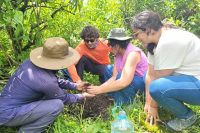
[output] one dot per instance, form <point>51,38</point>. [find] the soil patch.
<point>97,106</point>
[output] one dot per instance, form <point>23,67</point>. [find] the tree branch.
<point>61,8</point>
<point>32,41</point>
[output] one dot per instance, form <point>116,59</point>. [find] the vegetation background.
<point>25,24</point>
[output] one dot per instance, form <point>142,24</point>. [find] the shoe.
<point>178,124</point>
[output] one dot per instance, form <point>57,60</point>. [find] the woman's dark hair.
<point>147,20</point>
<point>151,46</point>
<point>89,32</point>
<point>122,43</point>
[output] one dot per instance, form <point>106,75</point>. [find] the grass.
<point>71,121</point>
<point>75,124</point>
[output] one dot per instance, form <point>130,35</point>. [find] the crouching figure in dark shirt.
<point>34,96</point>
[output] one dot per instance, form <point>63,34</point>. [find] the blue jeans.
<point>172,92</point>
<point>125,95</point>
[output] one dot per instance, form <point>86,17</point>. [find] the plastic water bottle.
<point>121,124</point>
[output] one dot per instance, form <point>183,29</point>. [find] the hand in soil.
<point>94,89</point>
<point>87,95</point>
<point>81,86</point>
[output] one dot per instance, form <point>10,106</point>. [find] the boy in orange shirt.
<point>94,56</point>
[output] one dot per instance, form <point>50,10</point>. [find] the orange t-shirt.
<point>100,55</point>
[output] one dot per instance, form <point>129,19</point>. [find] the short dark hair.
<point>122,43</point>
<point>89,32</point>
<point>147,20</point>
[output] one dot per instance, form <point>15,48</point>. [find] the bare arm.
<point>126,77</point>
<point>150,76</point>
<point>73,73</point>
<point>151,105</point>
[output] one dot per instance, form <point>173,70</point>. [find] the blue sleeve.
<point>72,98</point>
<point>66,84</point>
<point>53,91</point>
<point>49,86</point>
<point>43,83</point>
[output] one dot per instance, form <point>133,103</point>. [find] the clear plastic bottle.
<point>121,124</point>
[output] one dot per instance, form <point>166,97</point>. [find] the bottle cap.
<point>118,113</point>
<point>122,115</point>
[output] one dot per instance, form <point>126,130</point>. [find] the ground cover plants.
<point>94,116</point>
<point>24,25</point>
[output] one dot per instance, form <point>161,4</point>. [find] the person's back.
<point>34,96</point>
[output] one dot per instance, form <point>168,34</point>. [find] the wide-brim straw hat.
<point>118,34</point>
<point>54,55</point>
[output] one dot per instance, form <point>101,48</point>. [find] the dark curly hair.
<point>89,32</point>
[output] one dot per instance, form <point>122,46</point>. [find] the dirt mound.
<point>97,106</point>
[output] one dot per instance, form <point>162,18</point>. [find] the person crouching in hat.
<point>34,96</point>
<point>125,77</point>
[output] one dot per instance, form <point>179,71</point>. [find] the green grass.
<point>71,121</point>
<point>66,123</point>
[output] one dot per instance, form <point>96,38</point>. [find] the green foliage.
<point>6,56</point>
<point>24,26</point>
<point>24,21</point>
<point>183,13</point>
<point>4,45</point>
<point>93,79</point>
<point>68,123</point>
<point>4,129</point>
<point>104,14</point>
